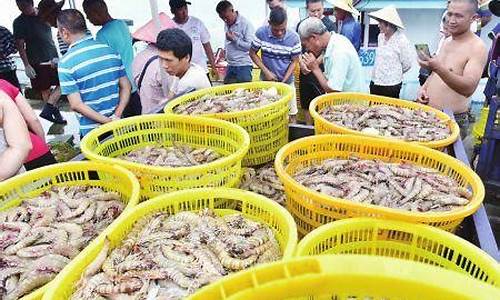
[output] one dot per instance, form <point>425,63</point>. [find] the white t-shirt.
<point>199,35</point>
<point>194,79</point>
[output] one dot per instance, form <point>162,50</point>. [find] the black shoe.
<point>52,114</point>
<point>59,118</point>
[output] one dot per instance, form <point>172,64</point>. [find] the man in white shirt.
<point>197,31</point>
<point>292,14</point>
<point>343,70</point>
<point>175,50</point>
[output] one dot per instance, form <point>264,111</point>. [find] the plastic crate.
<point>312,209</point>
<point>347,277</point>
<point>488,166</point>
<point>323,126</point>
<point>230,140</point>
<point>93,174</point>
<point>415,242</point>
<point>251,205</point>
<point>266,125</point>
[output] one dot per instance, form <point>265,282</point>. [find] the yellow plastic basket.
<point>312,209</point>
<point>266,125</point>
<point>480,125</point>
<point>93,174</point>
<point>347,277</point>
<point>128,134</point>
<point>249,204</point>
<point>323,126</point>
<point>415,242</point>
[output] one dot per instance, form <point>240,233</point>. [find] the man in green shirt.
<point>115,34</point>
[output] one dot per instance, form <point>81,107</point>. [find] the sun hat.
<point>148,32</point>
<point>345,5</point>
<point>388,14</point>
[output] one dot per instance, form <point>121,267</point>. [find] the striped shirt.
<point>7,47</point>
<point>63,47</point>
<point>277,54</point>
<point>93,70</point>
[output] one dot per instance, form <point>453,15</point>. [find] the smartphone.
<point>422,48</point>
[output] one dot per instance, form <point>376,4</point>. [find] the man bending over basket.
<point>175,50</point>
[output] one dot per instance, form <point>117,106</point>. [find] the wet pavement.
<point>56,132</point>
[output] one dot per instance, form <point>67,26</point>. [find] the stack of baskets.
<point>266,125</point>
<point>87,174</point>
<point>250,205</point>
<point>312,209</point>
<point>323,126</point>
<point>346,277</point>
<point>364,258</point>
<point>379,257</point>
<point>129,134</point>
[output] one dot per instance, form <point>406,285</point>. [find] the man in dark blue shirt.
<point>346,24</point>
<point>7,64</point>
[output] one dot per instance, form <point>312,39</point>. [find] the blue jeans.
<point>238,74</point>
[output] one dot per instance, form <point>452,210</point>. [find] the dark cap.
<point>47,7</point>
<point>176,4</point>
<point>494,7</point>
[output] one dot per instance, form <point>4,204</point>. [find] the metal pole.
<point>153,4</point>
<point>72,4</point>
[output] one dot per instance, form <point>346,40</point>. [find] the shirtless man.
<point>457,68</point>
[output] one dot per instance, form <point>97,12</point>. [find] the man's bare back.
<point>457,56</point>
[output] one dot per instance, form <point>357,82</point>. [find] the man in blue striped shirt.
<point>280,49</point>
<point>92,75</point>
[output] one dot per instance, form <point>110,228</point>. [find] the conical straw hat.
<point>148,32</point>
<point>388,14</point>
<point>345,5</point>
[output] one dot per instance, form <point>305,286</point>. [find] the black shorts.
<point>11,77</point>
<point>46,76</point>
<point>309,89</point>
<point>134,107</point>
<point>392,91</point>
<point>42,161</point>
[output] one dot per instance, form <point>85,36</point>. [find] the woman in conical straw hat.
<point>345,16</point>
<point>394,54</point>
<point>150,78</point>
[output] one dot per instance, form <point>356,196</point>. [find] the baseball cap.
<point>176,4</point>
<point>494,7</point>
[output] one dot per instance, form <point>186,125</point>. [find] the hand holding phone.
<point>423,51</point>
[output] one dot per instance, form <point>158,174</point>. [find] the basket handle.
<point>105,136</point>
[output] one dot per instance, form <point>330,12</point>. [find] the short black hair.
<point>277,16</point>
<point>223,6</point>
<point>175,40</point>
<point>25,1</point>
<point>474,4</point>
<point>72,20</point>
<point>313,1</point>
<point>98,4</point>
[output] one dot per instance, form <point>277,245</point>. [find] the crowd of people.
<point>103,80</point>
